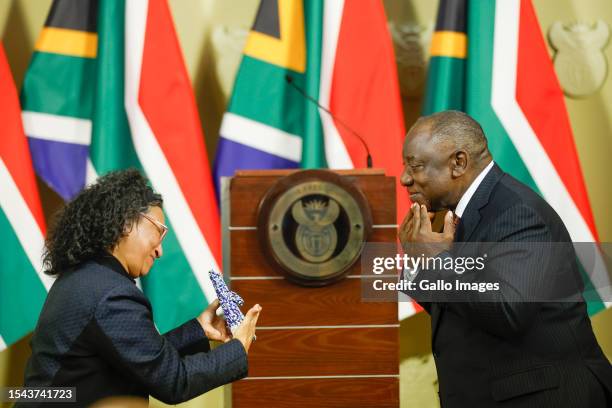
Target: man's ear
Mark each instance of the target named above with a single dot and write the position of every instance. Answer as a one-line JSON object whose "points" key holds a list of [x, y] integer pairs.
{"points": [[459, 163]]}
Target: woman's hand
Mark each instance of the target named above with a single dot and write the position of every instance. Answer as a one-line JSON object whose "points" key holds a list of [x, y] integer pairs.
{"points": [[246, 331], [214, 326]]}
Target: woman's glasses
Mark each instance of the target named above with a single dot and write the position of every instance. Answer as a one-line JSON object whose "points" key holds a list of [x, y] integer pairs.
{"points": [[163, 229]]}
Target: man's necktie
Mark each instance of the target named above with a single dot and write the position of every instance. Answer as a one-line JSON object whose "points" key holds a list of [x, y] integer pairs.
{"points": [[456, 221]]}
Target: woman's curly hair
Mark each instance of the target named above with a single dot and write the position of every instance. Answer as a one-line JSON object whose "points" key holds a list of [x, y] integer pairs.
{"points": [[96, 219]]}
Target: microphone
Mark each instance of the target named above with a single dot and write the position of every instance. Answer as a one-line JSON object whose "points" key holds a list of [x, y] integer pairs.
{"points": [[289, 80]]}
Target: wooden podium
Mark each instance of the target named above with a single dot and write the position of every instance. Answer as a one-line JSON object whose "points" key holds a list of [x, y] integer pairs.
{"points": [[316, 346]]}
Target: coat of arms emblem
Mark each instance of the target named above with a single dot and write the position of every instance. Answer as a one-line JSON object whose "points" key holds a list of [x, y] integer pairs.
{"points": [[312, 225], [316, 236], [579, 62]]}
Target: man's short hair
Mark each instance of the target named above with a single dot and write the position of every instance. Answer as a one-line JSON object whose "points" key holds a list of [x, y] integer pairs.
{"points": [[457, 129]]}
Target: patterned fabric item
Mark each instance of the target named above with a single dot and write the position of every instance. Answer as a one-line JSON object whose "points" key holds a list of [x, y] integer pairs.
{"points": [[230, 301]]}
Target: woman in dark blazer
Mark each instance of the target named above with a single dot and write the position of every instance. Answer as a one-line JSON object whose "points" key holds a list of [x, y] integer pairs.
{"points": [[96, 330]]}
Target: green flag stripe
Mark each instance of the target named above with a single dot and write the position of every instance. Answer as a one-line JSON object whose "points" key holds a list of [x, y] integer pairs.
{"points": [[265, 96], [444, 85], [592, 297], [261, 92], [22, 294], [313, 149], [479, 79], [111, 147], [59, 85]]}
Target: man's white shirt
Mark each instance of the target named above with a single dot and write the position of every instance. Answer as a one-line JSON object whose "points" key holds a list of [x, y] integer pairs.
{"points": [[469, 193]]}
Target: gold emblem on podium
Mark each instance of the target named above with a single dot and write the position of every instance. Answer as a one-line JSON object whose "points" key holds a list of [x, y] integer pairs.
{"points": [[312, 225], [316, 237]]}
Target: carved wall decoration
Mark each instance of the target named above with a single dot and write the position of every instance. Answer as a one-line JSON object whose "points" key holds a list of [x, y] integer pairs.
{"points": [[579, 60], [410, 41]]}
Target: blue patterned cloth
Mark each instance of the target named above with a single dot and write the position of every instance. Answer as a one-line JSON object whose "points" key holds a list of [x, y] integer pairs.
{"points": [[230, 301]]}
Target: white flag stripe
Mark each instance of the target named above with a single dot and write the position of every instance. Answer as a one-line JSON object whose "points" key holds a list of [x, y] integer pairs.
{"points": [[57, 128], [336, 154], [405, 309], [91, 174], [261, 137], [506, 107], [21, 219], [191, 239], [518, 128], [335, 150], [2, 344]]}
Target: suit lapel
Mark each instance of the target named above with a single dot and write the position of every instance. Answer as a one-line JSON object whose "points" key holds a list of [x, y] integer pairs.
{"points": [[436, 312], [466, 227], [471, 216]]}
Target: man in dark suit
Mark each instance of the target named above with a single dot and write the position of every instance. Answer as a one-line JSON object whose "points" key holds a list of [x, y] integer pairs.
{"points": [[508, 347]]}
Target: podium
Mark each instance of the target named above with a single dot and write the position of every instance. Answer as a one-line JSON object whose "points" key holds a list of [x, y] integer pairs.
{"points": [[317, 345]]}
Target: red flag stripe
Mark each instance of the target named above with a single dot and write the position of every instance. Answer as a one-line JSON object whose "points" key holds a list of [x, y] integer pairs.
{"points": [[540, 97], [14, 149], [365, 91], [177, 129]]}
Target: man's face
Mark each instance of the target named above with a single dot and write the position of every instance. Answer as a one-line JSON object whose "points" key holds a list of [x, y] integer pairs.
{"points": [[142, 246], [427, 172]]}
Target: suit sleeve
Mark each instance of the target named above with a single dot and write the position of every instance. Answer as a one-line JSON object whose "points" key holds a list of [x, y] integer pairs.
{"points": [[514, 262], [127, 338], [426, 305], [188, 338]]}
